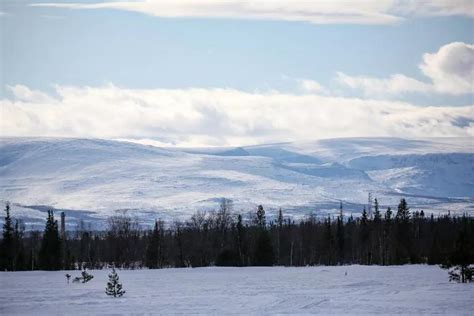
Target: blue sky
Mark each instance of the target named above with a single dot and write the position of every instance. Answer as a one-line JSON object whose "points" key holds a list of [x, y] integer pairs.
{"points": [[46, 47]]}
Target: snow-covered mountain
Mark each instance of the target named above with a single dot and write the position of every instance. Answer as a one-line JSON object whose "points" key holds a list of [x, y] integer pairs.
{"points": [[92, 179]]}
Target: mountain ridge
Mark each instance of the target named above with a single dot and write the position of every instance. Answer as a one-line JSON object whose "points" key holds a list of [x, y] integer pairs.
{"points": [[104, 177]]}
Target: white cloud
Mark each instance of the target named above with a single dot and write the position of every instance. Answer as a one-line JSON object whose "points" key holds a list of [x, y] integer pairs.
{"points": [[23, 93], [435, 7], [450, 71], [311, 86], [451, 68], [381, 87], [316, 12], [207, 117]]}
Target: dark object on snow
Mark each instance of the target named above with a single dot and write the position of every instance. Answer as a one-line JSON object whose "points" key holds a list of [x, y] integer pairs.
{"points": [[68, 276], [114, 288], [86, 277]]}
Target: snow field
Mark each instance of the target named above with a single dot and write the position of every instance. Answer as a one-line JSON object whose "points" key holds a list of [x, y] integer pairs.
{"points": [[365, 290]]}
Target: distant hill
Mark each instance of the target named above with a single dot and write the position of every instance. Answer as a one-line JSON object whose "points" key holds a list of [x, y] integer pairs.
{"points": [[92, 179]]}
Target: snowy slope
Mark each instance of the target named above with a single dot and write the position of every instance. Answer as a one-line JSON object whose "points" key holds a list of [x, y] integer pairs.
{"points": [[365, 290], [93, 179]]}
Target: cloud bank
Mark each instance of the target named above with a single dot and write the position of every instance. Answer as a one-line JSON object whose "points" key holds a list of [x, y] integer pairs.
{"points": [[316, 12], [217, 117], [450, 70]]}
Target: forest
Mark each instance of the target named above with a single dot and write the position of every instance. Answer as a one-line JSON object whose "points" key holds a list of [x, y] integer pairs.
{"points": [[225, 238]]}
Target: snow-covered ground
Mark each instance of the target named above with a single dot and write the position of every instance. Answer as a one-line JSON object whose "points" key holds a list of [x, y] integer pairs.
{"points": [[92, 179], [408, 290]]}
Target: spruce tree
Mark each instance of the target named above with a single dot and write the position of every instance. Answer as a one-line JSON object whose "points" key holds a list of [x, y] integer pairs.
{"points": [[403, 233], [280, 228], [50, 251], [376, 234], [364, 219], [114, 287], [240, 240], [7, 246], [403, 212], [263, 252], [388, 215], [366, 257], [386, 240]]}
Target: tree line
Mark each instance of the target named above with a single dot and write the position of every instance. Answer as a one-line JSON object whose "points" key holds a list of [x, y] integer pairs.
{"points": [[225, 238]]}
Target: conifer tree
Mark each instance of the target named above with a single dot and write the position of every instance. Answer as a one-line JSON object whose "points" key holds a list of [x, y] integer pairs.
{"points": [[403, 232], [280, 228], [50, 252], [240, 239], [7, 247], [114, 287], [365, 238], [403, 212], [364, 219], [388, 215], [376, 234], [386, 236], [263, 252]]}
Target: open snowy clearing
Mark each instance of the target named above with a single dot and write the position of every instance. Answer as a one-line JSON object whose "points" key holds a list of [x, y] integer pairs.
{"points": [[415, 289]]}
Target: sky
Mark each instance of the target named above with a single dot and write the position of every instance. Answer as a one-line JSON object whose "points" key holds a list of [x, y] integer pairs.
{"points": [[232, 73]]}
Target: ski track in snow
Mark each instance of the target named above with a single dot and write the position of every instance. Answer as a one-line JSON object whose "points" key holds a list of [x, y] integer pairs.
{"points": [[366, 290]]}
